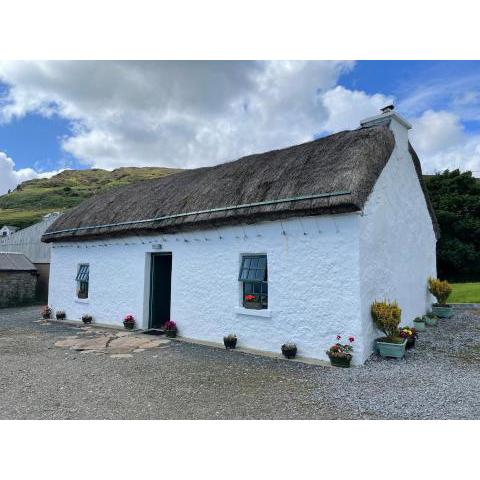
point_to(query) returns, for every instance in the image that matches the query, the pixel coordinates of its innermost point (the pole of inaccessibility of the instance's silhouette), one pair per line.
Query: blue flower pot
(391, 350)
(442, 311)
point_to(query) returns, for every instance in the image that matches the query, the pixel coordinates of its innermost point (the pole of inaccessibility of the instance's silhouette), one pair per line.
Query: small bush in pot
(419, 323)
(60, 314)
(230, 341)
(441, 290)
(289, 350)
(46, 312)
(170, 328)
(386, 317)
(410, 333)
(87, 319)
(129, 322)
(341, 354)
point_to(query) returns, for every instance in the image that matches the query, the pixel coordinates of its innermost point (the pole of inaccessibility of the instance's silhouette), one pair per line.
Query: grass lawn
(465, 293)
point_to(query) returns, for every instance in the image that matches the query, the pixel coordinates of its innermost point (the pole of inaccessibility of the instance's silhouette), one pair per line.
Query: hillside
(35, 198)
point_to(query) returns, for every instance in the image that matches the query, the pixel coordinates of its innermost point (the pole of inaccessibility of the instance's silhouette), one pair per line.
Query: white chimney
(397, 124)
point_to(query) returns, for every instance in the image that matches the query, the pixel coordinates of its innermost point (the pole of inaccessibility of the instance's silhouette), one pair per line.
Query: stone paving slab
(121, 343)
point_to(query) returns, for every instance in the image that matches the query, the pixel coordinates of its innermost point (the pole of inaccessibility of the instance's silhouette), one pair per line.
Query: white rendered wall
(397, 241)
(314, 289)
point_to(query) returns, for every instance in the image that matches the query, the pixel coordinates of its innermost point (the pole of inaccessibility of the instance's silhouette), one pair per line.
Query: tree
(456, 199)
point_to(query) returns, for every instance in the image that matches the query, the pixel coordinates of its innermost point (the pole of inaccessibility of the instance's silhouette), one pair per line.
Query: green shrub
(386, 317)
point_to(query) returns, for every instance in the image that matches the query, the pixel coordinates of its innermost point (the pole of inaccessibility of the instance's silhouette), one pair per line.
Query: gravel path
(440, 379)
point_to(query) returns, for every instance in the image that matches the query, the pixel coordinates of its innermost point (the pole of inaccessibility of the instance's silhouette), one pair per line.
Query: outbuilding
(18, 280)
(288, 245)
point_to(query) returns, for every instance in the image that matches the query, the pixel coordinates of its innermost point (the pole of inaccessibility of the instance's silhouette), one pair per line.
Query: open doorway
(160, 289)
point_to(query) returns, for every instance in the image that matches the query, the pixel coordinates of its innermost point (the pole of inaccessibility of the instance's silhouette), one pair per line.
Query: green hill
(35, 198)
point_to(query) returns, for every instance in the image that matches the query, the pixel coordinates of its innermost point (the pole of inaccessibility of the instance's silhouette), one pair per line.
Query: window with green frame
(83, 276)
(254, 278)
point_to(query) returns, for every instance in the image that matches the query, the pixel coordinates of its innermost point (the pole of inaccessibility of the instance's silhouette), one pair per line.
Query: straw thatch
(348, 161)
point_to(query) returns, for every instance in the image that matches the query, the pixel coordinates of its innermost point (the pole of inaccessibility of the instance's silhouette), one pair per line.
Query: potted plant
(60, 314)
(129, 322)
(386, 317)
(441, 290)
(419, 323)
(341, 354)
(430, 319)
(289, 350)
(230, 341)
(410, 333)
(46, 312)
(251, 301)
(170, 328)
(87, 319)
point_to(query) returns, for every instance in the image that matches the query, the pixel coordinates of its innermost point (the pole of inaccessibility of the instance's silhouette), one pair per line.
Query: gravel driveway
(440, 379)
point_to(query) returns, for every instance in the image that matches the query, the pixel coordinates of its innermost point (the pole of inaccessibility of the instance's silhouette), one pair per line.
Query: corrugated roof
(15, 262)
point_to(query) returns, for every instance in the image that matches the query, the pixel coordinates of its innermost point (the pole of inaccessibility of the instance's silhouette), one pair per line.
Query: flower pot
(410, 343)
(289, 352)
(129, 325)
(343, 362)
(87, 321)
(419, 326)
(253, 305)
(391, 350)
(60, 316)
(230, 343)
(171, 333)
(430, 321)
(442, 311)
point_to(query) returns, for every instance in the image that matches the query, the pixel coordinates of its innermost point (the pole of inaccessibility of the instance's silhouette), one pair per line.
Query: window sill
(81, 300)
(253, 313)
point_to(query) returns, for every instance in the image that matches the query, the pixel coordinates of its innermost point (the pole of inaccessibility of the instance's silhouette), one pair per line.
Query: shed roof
(333, 174)
(10, 261)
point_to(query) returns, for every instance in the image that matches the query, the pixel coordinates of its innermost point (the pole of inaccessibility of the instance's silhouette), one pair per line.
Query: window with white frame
(83, 274)
(254, 278)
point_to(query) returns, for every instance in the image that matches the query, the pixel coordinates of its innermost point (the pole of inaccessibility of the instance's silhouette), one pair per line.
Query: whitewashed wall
(397, 241)
(314, 288)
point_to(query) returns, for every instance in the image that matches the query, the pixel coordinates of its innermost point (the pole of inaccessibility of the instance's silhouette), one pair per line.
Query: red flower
(338, 337)
(249, 298)
(351, 339)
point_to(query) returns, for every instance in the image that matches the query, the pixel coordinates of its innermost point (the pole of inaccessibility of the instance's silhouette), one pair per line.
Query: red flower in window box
(249, 298)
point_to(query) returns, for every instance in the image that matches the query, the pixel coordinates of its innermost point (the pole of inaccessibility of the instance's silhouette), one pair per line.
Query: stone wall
(17, 288)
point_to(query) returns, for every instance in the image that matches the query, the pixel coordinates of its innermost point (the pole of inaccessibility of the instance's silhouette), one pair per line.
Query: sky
(102, 114)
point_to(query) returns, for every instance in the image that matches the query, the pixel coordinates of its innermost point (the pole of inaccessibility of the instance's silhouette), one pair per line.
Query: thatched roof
(335, 174)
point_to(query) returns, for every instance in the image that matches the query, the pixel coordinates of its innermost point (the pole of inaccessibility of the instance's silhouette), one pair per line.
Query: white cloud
(10, 178)
(183, 114)
(441, 142)
(189, 114)
(347, 107)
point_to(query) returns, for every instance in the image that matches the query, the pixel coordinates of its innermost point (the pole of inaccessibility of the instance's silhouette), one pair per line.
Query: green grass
(465, 293)
(33, 199)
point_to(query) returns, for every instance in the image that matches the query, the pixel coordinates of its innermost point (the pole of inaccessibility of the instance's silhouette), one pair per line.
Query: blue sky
(56, 115)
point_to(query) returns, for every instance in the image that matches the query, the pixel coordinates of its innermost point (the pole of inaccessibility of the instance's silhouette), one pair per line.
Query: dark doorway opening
(160, 289)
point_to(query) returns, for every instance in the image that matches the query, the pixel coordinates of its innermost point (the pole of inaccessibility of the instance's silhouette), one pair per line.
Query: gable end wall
(397, 241)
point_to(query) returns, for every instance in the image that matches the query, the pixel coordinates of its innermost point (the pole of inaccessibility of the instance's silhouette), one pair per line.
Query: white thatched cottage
(308, 235)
